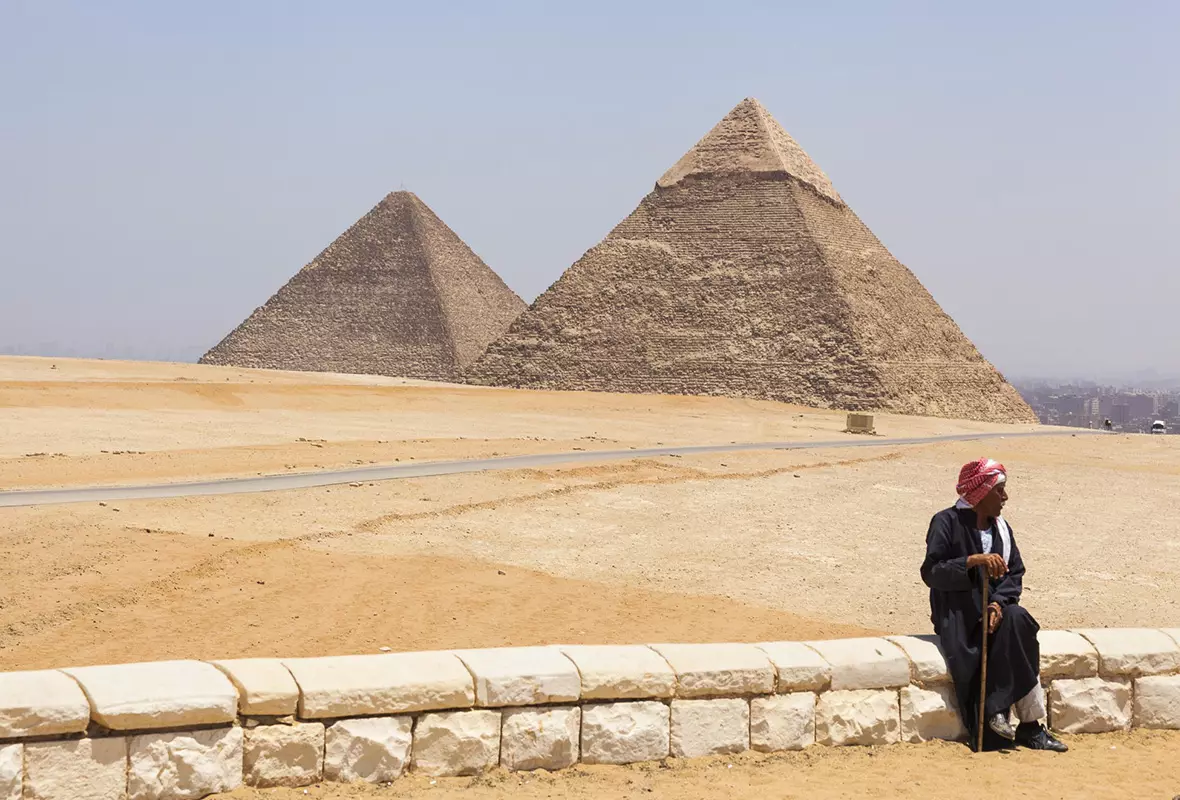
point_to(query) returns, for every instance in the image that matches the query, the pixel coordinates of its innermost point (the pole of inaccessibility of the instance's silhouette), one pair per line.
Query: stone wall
(186, 729)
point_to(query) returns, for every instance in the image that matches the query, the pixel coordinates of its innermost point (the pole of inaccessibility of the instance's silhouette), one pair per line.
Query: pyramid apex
(748, 140)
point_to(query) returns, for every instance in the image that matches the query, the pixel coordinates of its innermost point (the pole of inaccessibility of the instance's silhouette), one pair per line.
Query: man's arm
(1008, 590)
(941, 571)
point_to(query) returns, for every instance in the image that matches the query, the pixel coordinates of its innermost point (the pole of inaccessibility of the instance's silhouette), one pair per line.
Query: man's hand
(993, 563)
(995, 614)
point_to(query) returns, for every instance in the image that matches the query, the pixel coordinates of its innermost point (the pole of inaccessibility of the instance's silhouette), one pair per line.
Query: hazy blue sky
(166, 166)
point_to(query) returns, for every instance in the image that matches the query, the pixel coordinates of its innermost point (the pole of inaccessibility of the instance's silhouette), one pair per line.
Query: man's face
(993, 504)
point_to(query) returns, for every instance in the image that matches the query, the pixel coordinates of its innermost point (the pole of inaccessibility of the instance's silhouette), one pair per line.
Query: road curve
(306, 480)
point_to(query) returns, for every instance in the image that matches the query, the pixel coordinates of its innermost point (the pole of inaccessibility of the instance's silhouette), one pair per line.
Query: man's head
(982, 486)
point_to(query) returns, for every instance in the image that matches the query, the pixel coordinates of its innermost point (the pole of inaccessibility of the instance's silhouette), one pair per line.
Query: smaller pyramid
(396, 294)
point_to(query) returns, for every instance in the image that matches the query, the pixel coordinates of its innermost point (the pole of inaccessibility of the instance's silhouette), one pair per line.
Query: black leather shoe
(1034, 736)
(1001, 726)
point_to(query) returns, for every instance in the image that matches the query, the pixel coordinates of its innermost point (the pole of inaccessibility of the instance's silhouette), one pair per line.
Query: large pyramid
(744, 273)
(397, 294)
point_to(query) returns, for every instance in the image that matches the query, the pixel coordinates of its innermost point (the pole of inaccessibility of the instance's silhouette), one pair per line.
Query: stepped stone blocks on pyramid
(928, 714)
(371, 750)
(284, 755)
(744, 273)
(185, 729)
(398, 293)
(184, 766)
(540, 738)
(1090, 705)
(457, 743)
(782, 722)
(625, 733)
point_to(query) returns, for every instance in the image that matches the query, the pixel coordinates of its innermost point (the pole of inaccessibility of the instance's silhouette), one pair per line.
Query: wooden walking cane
(983, 667)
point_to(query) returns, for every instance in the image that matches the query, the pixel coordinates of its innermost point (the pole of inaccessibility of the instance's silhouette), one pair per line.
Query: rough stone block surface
(12, 768)
(1065, 654)
(859, 716)
(1157, 702)
(184, 766)
(930, 714)
(77, 769)
(709, 727)
(718, 670)
(782, 722)
(160, 694)
(458, 743)
(625, 733)
(284, 755)
(373, 750)
(41, 703)
(1090, 705)
(869, 663)
(522, 676)
(927, 664)
(797, 666)
(540, 738)
(621, 672)
(265, 687)
(368, 685)
(1133, 652)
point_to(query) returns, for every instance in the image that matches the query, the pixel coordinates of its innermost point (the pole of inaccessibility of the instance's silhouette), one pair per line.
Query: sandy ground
(745, 547)
(1141, 764)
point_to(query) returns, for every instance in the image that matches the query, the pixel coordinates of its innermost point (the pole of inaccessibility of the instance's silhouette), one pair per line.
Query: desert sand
(775, 544)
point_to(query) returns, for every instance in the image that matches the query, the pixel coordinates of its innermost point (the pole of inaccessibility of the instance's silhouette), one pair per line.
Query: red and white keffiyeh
(979, 477)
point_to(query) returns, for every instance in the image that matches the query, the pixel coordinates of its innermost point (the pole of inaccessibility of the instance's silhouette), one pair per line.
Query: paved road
(304, 480)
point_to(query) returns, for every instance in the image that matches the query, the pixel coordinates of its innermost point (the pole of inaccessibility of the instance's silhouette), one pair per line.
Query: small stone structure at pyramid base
(744, 273)
(397, 294)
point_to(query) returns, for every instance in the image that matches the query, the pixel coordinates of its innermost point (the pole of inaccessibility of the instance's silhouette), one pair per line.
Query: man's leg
(1031, 707)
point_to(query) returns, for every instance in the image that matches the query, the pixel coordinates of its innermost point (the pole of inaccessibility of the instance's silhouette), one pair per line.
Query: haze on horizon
(166, 167)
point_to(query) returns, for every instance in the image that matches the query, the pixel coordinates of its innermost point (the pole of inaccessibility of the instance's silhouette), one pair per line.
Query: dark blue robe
(957, 614)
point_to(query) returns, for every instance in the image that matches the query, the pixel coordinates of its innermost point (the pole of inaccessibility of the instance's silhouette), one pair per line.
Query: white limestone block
(1157, 702)
(76, 769)
(12, 770)
(1090, 705)
(858, 716)
(868, 663)
(389, 683)
(927, 664)
(620, 672)
(160, 694)
(1133, 652)
(797, 666)
(782, 722)
(540, 738)
(184, 766)
(373, 750)
(709, 727)
(521, 676)
(41, 703)
(284, 755)
(1173, 634)
(265, 687)
(928, 714)
(718, 670)
(457, 743)
(1066, 654)
(625, 733)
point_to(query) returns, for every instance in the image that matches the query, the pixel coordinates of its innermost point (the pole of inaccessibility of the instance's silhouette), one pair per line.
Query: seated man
(963, 543)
